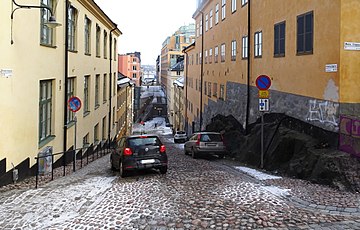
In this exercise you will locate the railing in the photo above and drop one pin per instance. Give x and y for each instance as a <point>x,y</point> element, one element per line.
<point>77,156</point>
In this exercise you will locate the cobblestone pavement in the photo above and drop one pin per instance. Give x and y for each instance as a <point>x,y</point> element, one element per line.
<point>194,194</point>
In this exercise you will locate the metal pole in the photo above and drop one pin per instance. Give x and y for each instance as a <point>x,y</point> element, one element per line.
<point>262,141</point>
<point>74,163</point>
<point>37,173</point>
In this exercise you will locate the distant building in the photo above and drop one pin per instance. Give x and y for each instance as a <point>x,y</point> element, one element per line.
<point>172,50</point>
<point>178,112</point>
<point>124,107</point>
<point>130,66</point>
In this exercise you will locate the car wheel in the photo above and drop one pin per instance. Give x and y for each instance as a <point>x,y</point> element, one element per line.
<point>122,170</point>
<point>221,156</point>
<point>193,154</point>
<point>186,152</point>
<point>163,169</point>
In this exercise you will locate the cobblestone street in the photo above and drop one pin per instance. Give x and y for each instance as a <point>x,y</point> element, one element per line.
<point>194,194</point>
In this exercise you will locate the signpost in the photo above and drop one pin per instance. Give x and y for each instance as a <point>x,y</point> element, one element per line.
<point>74,104</point>
<point>263,83</point>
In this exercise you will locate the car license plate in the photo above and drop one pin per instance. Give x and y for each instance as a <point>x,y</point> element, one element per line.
<point>149,161</point>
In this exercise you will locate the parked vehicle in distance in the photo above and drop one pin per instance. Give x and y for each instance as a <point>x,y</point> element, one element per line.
<point>205,143</point>
<point>139,152</point>
<point>180,136</point>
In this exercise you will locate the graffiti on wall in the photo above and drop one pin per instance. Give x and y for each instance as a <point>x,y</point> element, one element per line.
<point>323,111</point>
<point>349,138</point>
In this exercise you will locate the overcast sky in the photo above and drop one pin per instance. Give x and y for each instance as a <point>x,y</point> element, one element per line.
<point>146,24</point>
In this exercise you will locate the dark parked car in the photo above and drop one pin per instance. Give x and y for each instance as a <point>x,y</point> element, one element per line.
<point>205,143</point>
<point>139,152</point>
<point>180,136</point>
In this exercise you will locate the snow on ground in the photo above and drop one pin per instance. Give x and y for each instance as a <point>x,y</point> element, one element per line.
<point>263,176</point>
<point>157,125</point>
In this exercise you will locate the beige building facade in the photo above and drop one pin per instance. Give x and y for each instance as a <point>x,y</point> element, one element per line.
<point>308,49</point>
<point>42,68</point>
<point>124,108</point>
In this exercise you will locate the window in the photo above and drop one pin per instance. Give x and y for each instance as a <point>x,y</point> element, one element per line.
<point>72,29</point>
<point>209,89</point>
<point>45,110</point>
<point>244,47</point>
<point>206,22</point>
<point>243,2</point>
<point>70,93</point>
<point>210,55</point>
<point>200,57</point>
<point>114,85</point>
<point>97,91</point>
<point>98,34</point>
<point>222,50</point>
<point>279,39</point>
<point>305,26</point>
<point>258,44</point>
<point>223,9</point>
<point>105,44</point>
<point>134,67</point>
<point>46,33</point>
<point>216,53</point>
<point>87,35</point>
<point>86,94</point>
<point>201,26</point>
<point>96,133</point>
<point>211,18</point>
<point>104,128</point>
<point>221,92</point>
<point>197,59</point>
<point>206,56</point>
<point>134,75</point>
<point>215,89</point>
<point>105,88</point>
<point>233,50</point>
<point>115,49</point>
<point>233,6</point>
<point>205,88</point>
<point>86,141</point>
<point>216,14</point>
<point>197,30</point>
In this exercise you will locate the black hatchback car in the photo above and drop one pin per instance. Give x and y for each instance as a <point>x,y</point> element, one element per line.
<point>139,152</point>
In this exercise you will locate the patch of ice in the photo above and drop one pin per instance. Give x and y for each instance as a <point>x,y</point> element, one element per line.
<point>258,175</point>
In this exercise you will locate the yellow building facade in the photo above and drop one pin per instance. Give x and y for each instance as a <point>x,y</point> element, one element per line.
<point>309,50</point>
<point>42,68</point>
<point>124,109</point>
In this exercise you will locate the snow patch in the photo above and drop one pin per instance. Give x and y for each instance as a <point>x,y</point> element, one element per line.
<point>254,173</point>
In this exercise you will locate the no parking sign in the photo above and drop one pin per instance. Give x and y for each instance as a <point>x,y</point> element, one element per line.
<point>74,104</point>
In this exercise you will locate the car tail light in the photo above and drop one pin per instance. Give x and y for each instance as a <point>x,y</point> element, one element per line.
<point>143,136</point>
<point>198,139</point>
<point>162,148</point>
<point>127,152</point>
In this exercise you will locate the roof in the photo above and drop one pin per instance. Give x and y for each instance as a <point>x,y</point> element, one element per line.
<point>123,81</point>
<point>180,81</point>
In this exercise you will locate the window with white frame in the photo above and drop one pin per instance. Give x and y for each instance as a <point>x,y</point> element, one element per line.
<point>104,128</point>
<point>86,95</point>
<point>197,30</point>
<point>216,14</point>
<point>223,9</point>
<point>211,18</point>
<point>105,43</point>
<point>233,50</point>
<point>233,6</point>
<point>206,22</point>
<point>215,89</point>
<point>206,56</point>
<point>45,110</point>
<point>72,25</point>
<point>243,2</point>
<point>201,26</point>
<point>222,92</point>
<point>70,93</point>
<point>46,33</point>
<point>105,88</point>
<point>222,52</point>
<point>258,44</point>
<point>87,35</point>
<point>97,90</point>
<point>96,133</point>
<point>210,55</point>
<point>244,47</point>
<point>216,53</point>
<point>200,57</point>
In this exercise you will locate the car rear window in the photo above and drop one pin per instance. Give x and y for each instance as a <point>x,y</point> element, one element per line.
<point>210,137</point>
<point>139,141</point>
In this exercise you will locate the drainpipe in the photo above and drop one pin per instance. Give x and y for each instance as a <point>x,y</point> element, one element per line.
<point>248,73</point>
<point>110,78</point>
<point>186,90</point>
<point>66,74</point>
<point>202,70</point>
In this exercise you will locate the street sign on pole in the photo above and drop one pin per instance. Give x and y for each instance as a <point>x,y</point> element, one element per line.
<point>264,105</point>
<point>74,104</point>
<point>263,82</point>
<point>263,93</point>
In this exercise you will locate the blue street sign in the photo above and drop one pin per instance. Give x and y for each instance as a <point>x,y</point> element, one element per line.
<point>74,104</point>
<point>263,82</point>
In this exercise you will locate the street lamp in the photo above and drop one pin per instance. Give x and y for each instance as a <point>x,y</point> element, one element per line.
<point>51,23</point>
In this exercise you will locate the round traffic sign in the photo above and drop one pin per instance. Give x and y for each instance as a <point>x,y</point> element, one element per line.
<point>74,104</point>
<point>263,82</point>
